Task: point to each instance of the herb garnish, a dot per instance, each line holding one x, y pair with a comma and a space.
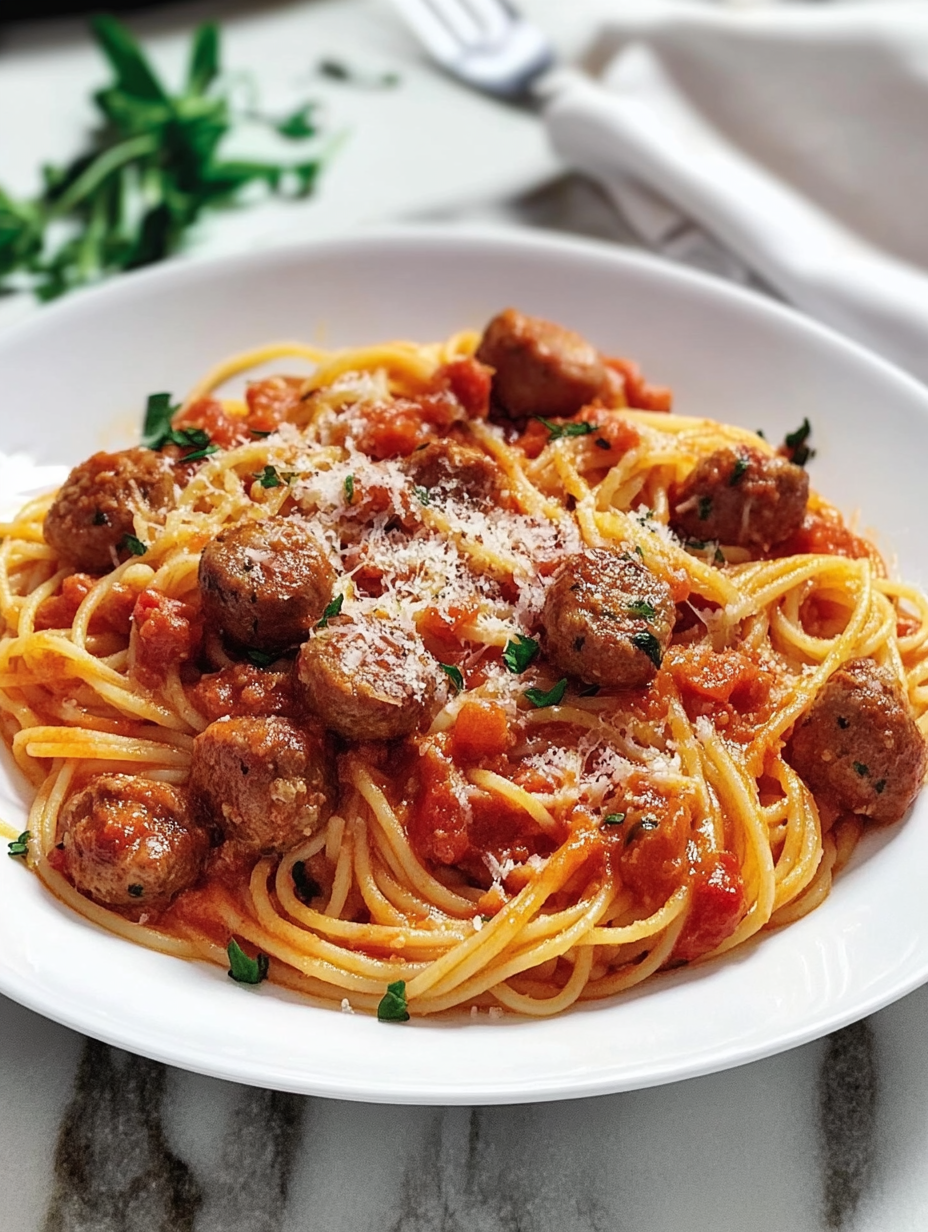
151, 169
338, 70
421, 494
20, 846
648, 644
862, 770
131, 543
245, 970
305, 886
454, 675
553, 697
557, 431
613, 819
795, 444
136, 890
843, 723
704, 507
268, 478
260, 658
602, 443
349, 489
331, 611
879, 786
392, 1007
519, 652
737, 474
156, 430
642, 608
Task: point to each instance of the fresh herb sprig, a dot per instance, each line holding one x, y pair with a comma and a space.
151, 169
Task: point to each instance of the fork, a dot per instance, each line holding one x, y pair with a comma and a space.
485, 43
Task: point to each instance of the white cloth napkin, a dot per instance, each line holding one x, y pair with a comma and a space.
797, 137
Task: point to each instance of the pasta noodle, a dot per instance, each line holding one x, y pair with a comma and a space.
535, 839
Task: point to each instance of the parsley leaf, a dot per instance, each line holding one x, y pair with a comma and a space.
704, 507
602, 443
613, 819
642, 608
795, 444
298, 125
648, 822
331, 611
133, 544
136, 890
862, 770
422, 494
454, 675
159, 412
737, 474
349, 489
260, 658
268, 478
553, 697
20, 846
519, 652
557, 431
305, 886
392, 1007
245, 970
648, 644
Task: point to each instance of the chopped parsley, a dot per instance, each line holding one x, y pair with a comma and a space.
642, 608
704, 507
741, 465
648, 644
136, 890
862, 770
260, 658
305, 886
796, 444
454, 675
613, 819
245, 970
392, 1007
602, 443
100, 518
331, 611
159, 412
879, 786
519, 652
299, 124
843, 723
557, 431
349, 489
20, 846
422, 494
268, 478
131, 543
553, 697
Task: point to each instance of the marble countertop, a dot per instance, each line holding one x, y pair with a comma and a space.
831, 1135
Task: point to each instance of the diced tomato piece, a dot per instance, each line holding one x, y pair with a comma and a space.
442, 630
716, 907
58, 611
394, 429
470, 382
481, 729
223, 429
273, 401
638, 393
437, 822
167, 631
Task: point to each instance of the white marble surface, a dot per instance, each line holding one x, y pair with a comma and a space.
834, 1134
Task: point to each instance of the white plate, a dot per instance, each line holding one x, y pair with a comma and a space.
77, 370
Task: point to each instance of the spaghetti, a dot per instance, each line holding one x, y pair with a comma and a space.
500, 795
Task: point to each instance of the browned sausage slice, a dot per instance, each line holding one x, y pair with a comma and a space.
858, 747
368, 681
539, 368
608, 619
265, 583
263, 781
131, 843
458, 473
742, 497
94, 510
